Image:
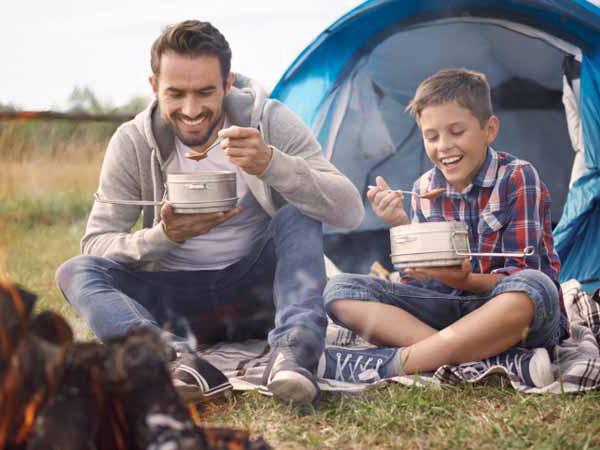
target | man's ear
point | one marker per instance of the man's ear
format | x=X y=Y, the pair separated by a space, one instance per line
x=153 y=83
x=229 y=82
x=492 y=129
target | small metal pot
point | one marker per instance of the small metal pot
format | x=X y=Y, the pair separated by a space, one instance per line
x=190 y=193
x=436 y=244
x=201 y=192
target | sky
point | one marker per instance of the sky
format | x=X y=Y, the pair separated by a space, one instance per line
x=49 y=47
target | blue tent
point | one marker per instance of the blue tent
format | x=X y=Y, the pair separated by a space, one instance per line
x=542 y=59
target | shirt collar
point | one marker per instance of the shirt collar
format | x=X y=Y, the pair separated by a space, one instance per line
x=486 y=176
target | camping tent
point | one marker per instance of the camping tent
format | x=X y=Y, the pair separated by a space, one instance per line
x=542 y=59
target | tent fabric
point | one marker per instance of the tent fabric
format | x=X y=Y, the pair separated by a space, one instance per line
x=526 y=91
x=361 y=71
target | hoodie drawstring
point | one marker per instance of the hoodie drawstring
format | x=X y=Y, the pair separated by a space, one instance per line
x=153 y=161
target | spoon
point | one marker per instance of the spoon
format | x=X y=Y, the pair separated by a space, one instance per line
x=429 y=195
x=198 y=156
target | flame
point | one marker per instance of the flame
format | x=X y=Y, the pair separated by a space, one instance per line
x=14 y=294
x=9 y=389
x=29 y=418
x=120 y=420
x=194 y=414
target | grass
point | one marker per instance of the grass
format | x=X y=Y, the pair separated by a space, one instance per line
x=44 y=201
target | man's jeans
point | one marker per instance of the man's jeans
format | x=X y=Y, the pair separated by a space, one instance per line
x=278 y=286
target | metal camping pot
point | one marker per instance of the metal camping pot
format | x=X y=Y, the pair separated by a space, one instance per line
x=190 y=193
x=201 y=192
x=435 y=244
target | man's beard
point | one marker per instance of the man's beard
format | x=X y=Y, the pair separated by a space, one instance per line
x=195 y=141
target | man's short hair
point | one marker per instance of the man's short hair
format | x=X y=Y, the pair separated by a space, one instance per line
x=192 y=38
x=468 y=88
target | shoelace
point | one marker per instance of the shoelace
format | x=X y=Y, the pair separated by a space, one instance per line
x=514 y=364
x=355 y=369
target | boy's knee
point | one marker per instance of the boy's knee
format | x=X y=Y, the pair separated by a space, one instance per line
x=538 y=286
x=542 y=293
x=339 y=287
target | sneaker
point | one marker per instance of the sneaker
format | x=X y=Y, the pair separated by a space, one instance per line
x=197 y=380
x=532 y=367
x=365 y=365
x=288 y=380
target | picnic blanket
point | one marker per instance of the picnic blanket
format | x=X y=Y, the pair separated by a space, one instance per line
x=575 y=362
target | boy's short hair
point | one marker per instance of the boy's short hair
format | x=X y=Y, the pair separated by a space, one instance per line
x=192 y=38
x=468 y=88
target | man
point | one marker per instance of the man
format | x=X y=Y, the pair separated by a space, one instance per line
x=232 y=275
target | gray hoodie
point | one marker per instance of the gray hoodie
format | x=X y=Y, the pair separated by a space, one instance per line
x=139 y=151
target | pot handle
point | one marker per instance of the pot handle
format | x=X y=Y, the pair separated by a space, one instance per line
x=404 y=239
x=197 y=187
x=125 y=202
x=527 y=251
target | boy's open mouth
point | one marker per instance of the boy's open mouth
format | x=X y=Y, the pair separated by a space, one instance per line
x=451 y=161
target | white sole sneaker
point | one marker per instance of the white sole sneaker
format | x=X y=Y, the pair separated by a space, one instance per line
x=288 y=385
x=540 y=368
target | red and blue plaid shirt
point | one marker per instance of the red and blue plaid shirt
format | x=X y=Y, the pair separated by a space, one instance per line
x=506 y=207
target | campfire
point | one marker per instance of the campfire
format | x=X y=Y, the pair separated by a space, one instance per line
x=59 y=394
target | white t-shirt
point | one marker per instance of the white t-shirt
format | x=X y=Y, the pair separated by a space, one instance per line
x=228 y=242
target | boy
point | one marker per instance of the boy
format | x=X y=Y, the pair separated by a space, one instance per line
x=487 y=306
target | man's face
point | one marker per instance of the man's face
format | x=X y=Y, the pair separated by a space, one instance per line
x=455 y=141
x=190 y=95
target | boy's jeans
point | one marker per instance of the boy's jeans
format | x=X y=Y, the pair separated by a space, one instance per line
x=278 y=286
x=439 y=309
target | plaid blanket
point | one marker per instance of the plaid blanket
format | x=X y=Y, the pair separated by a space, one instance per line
x=575 y=362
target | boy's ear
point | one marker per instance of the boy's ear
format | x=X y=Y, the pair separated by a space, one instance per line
x=492 y=129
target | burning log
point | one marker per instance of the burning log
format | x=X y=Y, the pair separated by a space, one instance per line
x=16 y=305
x=31 y=376
x=72 y=418
x=142 y=387
x=55 y=394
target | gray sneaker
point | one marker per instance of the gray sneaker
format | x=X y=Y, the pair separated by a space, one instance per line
x=532 y=367
x=364 y=365
x=287 y=380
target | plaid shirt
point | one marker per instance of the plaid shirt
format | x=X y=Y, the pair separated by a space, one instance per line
x=506 y=207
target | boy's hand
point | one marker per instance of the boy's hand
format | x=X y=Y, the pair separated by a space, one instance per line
x=455 y=276
x=387 y=204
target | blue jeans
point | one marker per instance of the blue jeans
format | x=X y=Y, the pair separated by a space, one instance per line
x=440 y=308
x=276 y=288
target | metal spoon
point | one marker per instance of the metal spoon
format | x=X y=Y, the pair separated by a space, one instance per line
x=198 y=156
x=429 y=195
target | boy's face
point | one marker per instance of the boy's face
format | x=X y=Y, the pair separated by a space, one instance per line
x=455 y=142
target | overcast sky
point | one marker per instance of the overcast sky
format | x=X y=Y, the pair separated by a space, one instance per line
x=49 y=47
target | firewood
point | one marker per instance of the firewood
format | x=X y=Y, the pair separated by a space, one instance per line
x=16 y=305
x=141 y=381
x=31 y=376
x=72 y=417
x=55 y=394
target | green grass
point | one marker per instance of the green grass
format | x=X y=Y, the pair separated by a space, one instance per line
x=489 y=416
x=43 y=208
